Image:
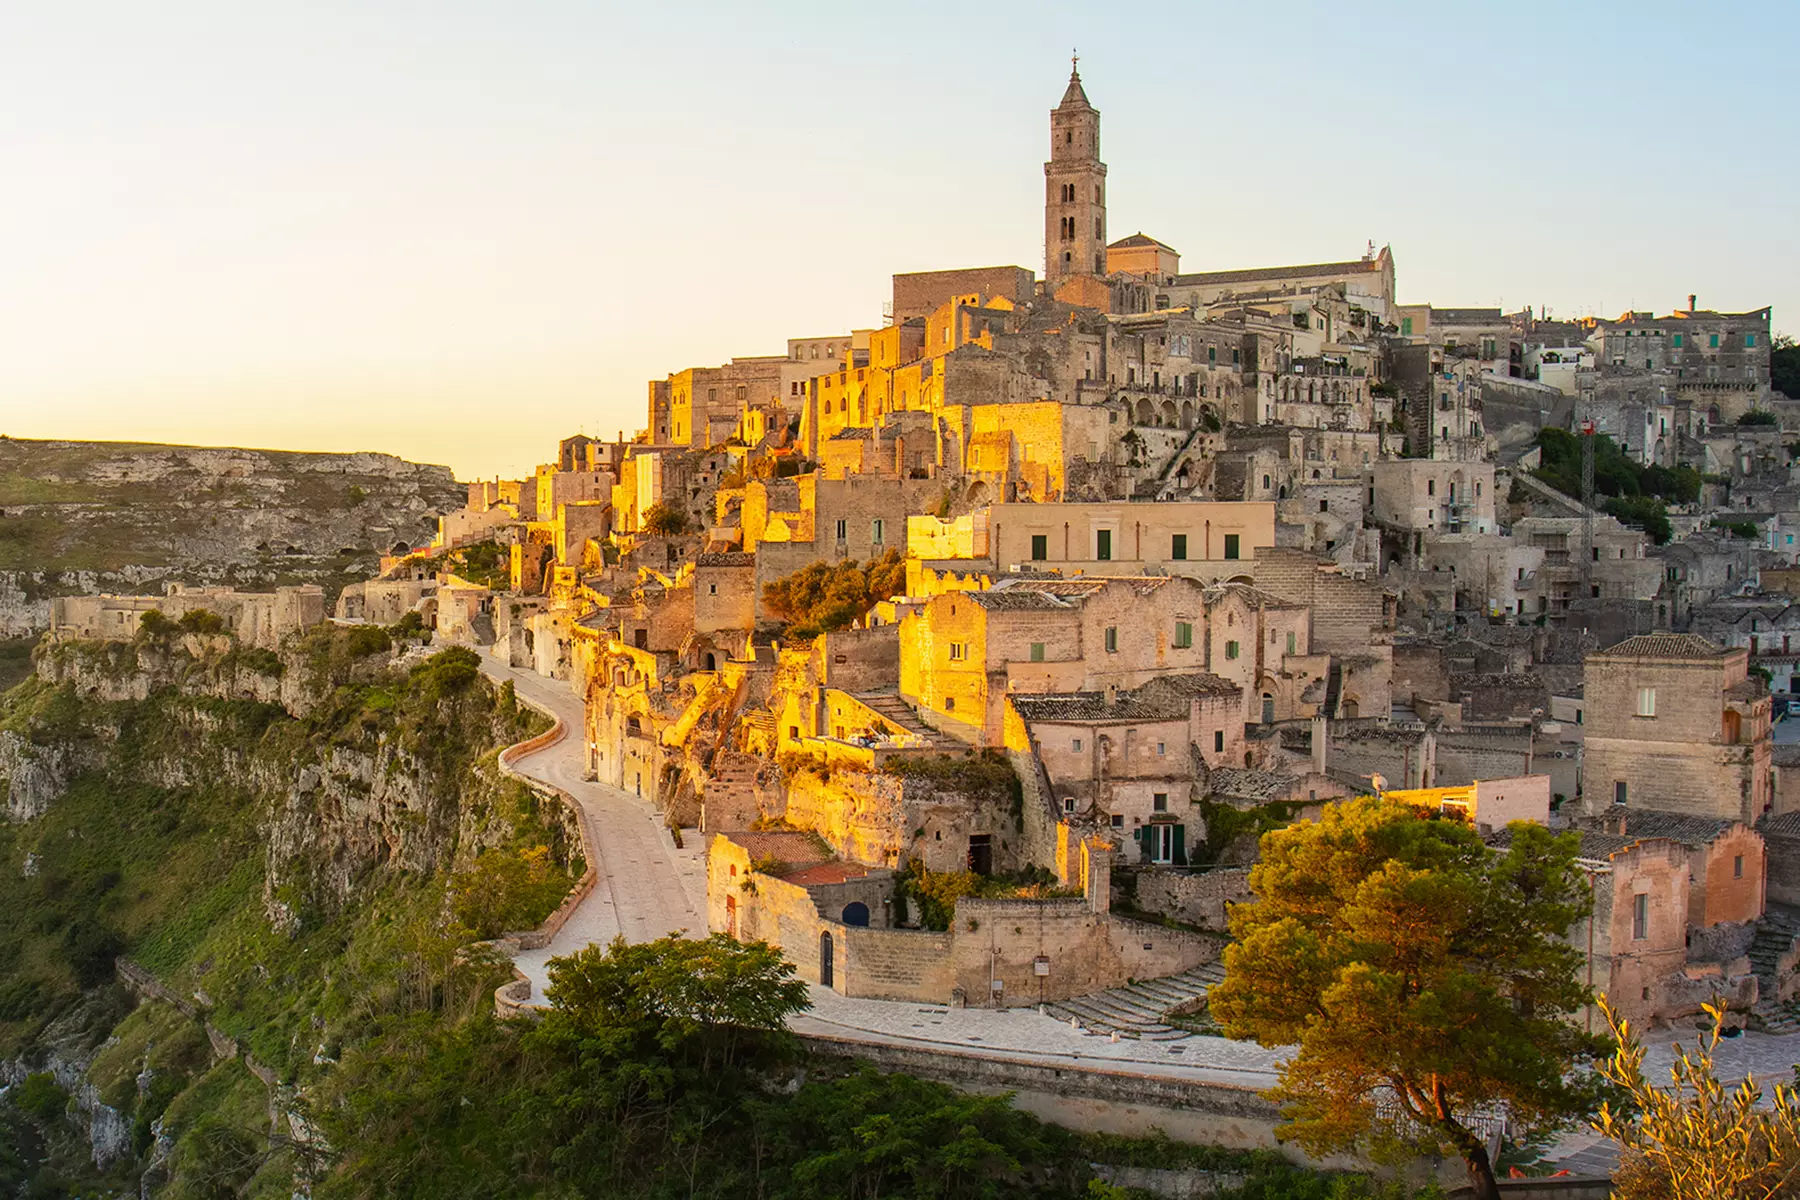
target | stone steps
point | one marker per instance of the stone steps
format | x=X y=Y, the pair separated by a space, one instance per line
x=1137 y=1010
x=893 y=708
x=1775 y=1016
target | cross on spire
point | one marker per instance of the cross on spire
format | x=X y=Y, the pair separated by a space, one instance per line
x=1075 y=63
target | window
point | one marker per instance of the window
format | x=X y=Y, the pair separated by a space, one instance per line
x=1218 y=741
x=1712 y=342
x=712 y=589
x=1040 y=547
x=1619 y=791
x=1749 y=340
x=843 y=528
x=1103 y=545
x=1290 y=642
x=1678 y=341
x=1231 y=649
x=1737 y=867
x=1431 y=487
x=1640 y=916
x=1159 y=802
x=1324 y=506
x=959 y=651
x=875 y=531
x=1178 y=547
x=1118 y=820
x=1231 y=545
x=1076 y=745
x=1037 y=652
x=1068 y=804
x=1112 y=639
x=1163 y=749
x=1184 y=635
x=1212 y=354
x=1646 y=706
x=1406 y=326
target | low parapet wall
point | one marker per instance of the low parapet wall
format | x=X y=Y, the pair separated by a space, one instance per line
x=1099 y=1099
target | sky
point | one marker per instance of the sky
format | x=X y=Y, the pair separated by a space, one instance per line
x=457 y=231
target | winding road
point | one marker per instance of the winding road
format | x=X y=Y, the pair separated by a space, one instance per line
x=644 y=888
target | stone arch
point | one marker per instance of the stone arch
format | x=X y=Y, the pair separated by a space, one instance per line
x=709 y=662
x=856 y=913
x=1348 y=708
x=1171 y=416
x=1146 y=412
x=979 y=494
x=1662 y=452
x=1187 y=414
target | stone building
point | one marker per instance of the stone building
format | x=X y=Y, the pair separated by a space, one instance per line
x=1130 y=761
x=255 y=618
x=963 y=653
x=1199 y=538
x=1677 y=724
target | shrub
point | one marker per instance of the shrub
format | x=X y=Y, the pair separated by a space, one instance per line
x=39 y=1097
x=664 y=520
x=201 y=620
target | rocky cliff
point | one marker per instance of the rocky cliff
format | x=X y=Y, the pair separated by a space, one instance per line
x=83 y=517
x=276 y=850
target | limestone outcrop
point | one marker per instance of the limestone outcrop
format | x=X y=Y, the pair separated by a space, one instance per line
x=87 y=517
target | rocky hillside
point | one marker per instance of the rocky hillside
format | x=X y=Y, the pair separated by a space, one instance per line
x=81 y=517
x=217 y=867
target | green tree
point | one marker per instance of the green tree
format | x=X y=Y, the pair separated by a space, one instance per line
x=822 y=597
x=1422 y=977
x=1695 y=1139
x=1784 y=366
x=665 y=520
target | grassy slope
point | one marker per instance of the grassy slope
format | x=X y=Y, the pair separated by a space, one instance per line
x=173 y=877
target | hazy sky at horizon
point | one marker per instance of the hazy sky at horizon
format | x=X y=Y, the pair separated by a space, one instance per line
x=456 y=231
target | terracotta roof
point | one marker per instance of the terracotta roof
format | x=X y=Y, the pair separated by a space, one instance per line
x=1248 y=784
x=1256 y=274
x=1677 y=827
x=1092 y=706
x=791 y=846
x=1664 y=645
x=1139 y=238
x=1254 y=596
x=1014 y=600
x=1751 y=688
x=1195 y=683
x=1785 y=824
x=1787 y=755
x=826 y=872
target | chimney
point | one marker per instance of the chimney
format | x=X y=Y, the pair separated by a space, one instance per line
x=1691 y=299
x=1112 y=694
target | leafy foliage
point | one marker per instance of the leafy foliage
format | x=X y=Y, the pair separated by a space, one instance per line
x=1407 y=961
x=1696 y=1138
x=1757 y=418
x=1614 y=473
x=1784 y=366
x=822 y=597
x=1645 y=512
x=665 y=520
x=936 y=892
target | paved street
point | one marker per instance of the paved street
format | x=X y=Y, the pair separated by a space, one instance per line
x=644 y=887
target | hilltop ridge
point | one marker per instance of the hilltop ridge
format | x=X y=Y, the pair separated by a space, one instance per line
x=80 y=517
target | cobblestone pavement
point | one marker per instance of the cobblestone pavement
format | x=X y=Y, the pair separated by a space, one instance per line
x=644 y=887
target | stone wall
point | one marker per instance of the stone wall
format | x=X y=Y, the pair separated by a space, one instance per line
x=1196 y=897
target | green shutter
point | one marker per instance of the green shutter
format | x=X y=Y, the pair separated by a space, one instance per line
x=1181 y=845
x=1147 y=842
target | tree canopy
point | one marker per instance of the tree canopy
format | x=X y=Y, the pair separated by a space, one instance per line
x=665 y=520
x=822 y=597
x=1422 y=976
x=1697 y=1138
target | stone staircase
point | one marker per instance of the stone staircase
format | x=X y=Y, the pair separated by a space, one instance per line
x=1137 y=1010
x=891 y=707
x=1774 y=935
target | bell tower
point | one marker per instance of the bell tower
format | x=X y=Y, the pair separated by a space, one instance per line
x=1074 y=188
